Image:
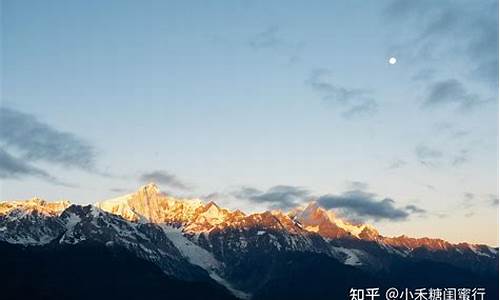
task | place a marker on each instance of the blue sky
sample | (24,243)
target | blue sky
(232,100)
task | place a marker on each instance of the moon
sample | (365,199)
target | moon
(392,60)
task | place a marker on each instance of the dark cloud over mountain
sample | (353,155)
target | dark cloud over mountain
(361,205)
(355,204)
(163,177)
(280,196)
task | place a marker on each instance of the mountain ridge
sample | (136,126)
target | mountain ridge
(149,204)
(200,241)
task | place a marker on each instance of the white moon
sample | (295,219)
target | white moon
(393,60)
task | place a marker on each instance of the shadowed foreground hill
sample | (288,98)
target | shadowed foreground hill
(91,271)
(299,276)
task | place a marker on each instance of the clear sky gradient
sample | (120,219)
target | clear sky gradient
(228,99)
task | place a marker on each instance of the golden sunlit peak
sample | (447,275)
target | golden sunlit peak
(151,187)
(35,204)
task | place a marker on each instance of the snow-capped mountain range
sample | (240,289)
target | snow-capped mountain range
(193,240)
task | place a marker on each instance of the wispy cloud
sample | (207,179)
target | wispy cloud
(268,38)
(26,140)
(424,75)
(450,28)
(494,201)
(432,157)
(491,200)
(469,214)
(357,185)
(447,33)
(38,141)
(415,209)
(15,168)
(450,130)
(165,178)
(351,101)
(396,164)
(280,196)
(460,158)
(430,187)
(272,38)
(468,200)
(12,167)
(428,156)
(118,190)
(472,200)
(450,91)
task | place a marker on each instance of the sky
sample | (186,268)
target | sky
(259,105)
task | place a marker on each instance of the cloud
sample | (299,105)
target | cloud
(471,200)
(430,187)
(37,141)
(441,215)
(396,164)
(450,91)
(267,39)
(213,196)
(468,200)
(356,205)
(428,156)
(12,167)
(358,185)
(352,101)
(450,130)
(469,196)
(469,214)
(431,157)
(460,158)
(447,29)
(15,168)
(424,74)
(457,134)
(118,190)
(415,209)
(273,39)
(26,140)
(162,177)
(492,199)
(362,205)
(453,46)
(280,196)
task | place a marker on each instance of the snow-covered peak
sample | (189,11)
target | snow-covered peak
(150,188)
(150,205)
(314,218)
(207,217)
(30,222)
(311,214)
(119,206)
(212,213)
(369,233)
(33,205)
